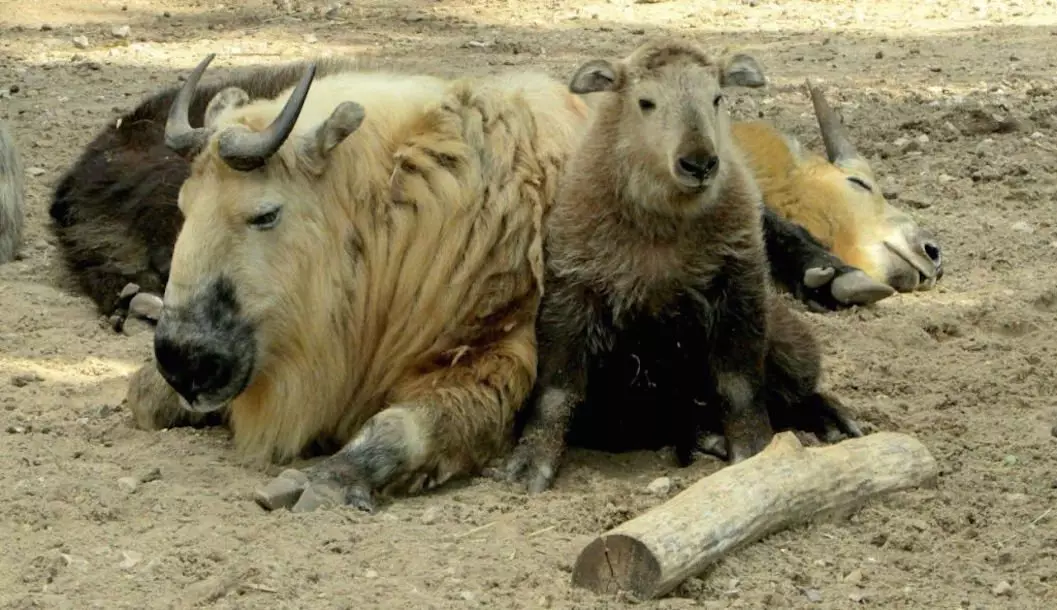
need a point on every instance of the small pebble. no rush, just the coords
(1003, 588)
(466, 596)
(281, 491)
(1010, 460)
(659, 486)
(131, 558)
(36, 171)
(1023, 227)
(129, 484)
(81, 42)
(813, 595)
(854, 577)
(918, 524)
(879, 55)
(370, 574)
(429, 516)
(121, 32)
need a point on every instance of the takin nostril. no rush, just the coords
(932, 251)
(699, 166)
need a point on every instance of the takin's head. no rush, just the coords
(908, 255)
(667, 119)
(253, 236)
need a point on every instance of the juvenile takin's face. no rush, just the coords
(680, 122)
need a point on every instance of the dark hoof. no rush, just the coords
(742, 449)
(857, 288)
(713, 444)
(530, 466)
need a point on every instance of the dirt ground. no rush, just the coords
(954, 102)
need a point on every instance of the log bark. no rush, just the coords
(783, 485)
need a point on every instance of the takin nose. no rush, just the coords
(698, 165)
(934, 254)
(193, 369)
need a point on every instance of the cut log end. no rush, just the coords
(614, 563)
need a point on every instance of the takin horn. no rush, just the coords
(247, 150)
(179, 135)
(241, 150)
(838, 146)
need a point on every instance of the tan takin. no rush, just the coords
(839, 201)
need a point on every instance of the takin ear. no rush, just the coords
(741, 70)
(596, 75)
(231, 97)
(343, 122)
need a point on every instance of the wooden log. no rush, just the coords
(783, 485)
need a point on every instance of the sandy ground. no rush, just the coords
(954, 102)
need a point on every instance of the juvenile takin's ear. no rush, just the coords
(595, 75)
(341, 123)
(741, 70)
(231, 97)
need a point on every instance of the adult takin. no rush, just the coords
(660, 323)
(360, 274)
(12, 196)
(116, 218)
(838, 200)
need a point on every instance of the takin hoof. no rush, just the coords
(132, 302)
(528, 466)
(857, 288)
(302, 493)
(713, 444)
(826, 288)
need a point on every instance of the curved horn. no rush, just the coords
(179, 135)
(838, 146)
(245, 151)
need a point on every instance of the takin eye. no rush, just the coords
(266, 220)
(646, 105)
(861, 184)
(716, 101)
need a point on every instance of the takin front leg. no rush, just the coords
(448, 423)
(738, 328)
(794, 368)
(811, 272)
(562, 331)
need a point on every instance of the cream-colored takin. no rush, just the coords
(361, 273)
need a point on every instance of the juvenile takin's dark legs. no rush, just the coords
(738, 346)
(812, 273)
(562, 331)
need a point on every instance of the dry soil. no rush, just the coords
(954, 102)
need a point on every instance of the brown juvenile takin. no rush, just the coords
(659, 321)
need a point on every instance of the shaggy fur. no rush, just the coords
(659, 321)
(12, 197)
(388, 303)
(114, 211)
(115, 214)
